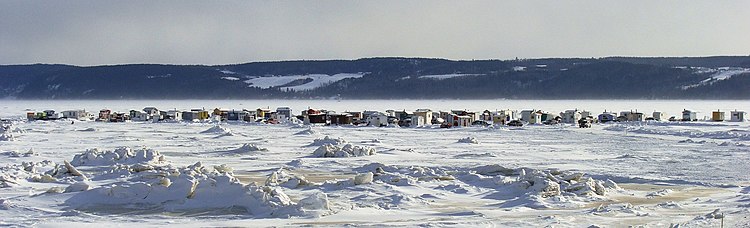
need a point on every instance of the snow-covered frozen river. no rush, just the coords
(202, 174)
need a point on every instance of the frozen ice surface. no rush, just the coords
(159, 174)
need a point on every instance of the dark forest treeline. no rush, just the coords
(390, 78)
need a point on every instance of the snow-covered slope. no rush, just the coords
(719, 74)
(313, 80)
(446, 76)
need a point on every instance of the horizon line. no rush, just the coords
(372, 57)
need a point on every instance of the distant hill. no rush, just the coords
(721, 77)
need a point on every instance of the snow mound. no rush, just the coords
(692, 141)
(14, 175)
(17, 154)
(7, 181)
(296, 163)
(347, 150)
(121, 155)
(732, 144)
(196, 187)
(225, 135)
(659, 193)
(7, 137)
(669, 205)
(657, 129)
(42, 172)
(308, 131)
(712, 219)
(246, 148)
(619, 208)
(218, 129)
(527, 187)
(5, 204)
(471, 140)
(716, 214)
(327, 141)
(631, 156)
(8, 129)
(316, 203)
(363, 178)
(18, 130)
(77, 187)
(285, 179)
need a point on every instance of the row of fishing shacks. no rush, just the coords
(154, 114)
(419, 117)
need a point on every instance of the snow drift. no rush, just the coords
(327, 141)
(470, 140)
(143, 178)
(121, 155)
(218, 129)
(190, 188)
(347, 150)
(524, 186)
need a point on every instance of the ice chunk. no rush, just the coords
(348, 150)
(17, 154)
(77, 187)
(315, 202)
(72, 170)
(493, 170)
(5, 204)
(659, 193)
(121, 155)
(471, 140)
(716, 214)
(327, 141)
(363, 178)
(282, 178)
(7, 137)
(308, 131)
(195, 187)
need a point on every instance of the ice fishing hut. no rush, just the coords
(426, 117)
(173, 115)
(635, 116)
(717, 115)
(689, 115)
(237, 115)
(659, 116)
(504, 116)
(75, 114)
(283, 113)
(190, 116)
(531, 116)
(340, 118)
(136, 115)
(377, 119)
(104, 114)
(607, 117)
(570, 116)
(737, 116)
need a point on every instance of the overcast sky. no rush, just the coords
(221, 32)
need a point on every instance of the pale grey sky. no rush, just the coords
(221, 32)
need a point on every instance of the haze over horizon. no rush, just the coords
(214, 33)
